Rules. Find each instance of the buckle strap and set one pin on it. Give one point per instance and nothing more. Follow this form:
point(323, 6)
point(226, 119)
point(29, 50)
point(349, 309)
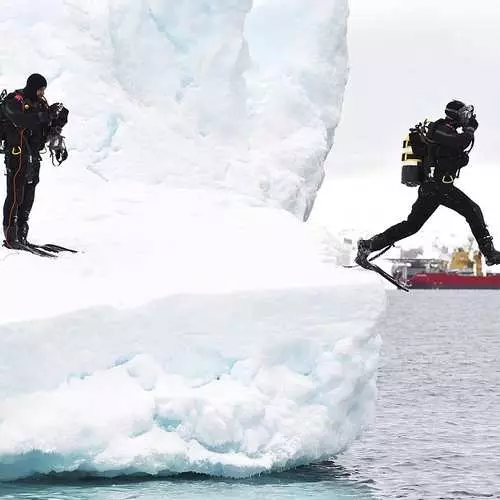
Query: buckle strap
point(448, 179)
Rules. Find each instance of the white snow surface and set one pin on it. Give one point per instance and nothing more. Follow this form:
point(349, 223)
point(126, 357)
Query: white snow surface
point(201, 327)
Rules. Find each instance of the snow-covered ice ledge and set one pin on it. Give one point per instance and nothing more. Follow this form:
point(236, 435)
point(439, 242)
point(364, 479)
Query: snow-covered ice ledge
point(221, 344)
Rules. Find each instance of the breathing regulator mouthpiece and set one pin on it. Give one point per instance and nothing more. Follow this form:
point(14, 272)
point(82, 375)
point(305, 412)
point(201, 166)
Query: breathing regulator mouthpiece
point(465, 114)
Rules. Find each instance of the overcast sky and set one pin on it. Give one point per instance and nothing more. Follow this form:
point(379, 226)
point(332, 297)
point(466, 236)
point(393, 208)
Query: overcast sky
point(407, 60)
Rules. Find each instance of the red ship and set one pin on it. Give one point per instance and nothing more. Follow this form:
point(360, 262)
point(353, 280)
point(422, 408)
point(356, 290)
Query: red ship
point(459, 272)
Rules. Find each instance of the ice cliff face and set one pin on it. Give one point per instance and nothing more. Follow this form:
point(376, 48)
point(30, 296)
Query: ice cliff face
point(295, 89)
point(191, 93)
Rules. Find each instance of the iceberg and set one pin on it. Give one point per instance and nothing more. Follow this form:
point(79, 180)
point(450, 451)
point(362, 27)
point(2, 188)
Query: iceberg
point(200, 327)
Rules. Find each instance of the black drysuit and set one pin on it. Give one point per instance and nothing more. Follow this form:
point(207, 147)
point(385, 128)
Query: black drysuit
point(26, 130)
point(449, 157)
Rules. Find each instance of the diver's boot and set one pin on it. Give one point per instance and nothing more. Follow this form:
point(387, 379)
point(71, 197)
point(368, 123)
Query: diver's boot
point(11, 238)
point(491, 255)
point(364, 250)
point(22, 233)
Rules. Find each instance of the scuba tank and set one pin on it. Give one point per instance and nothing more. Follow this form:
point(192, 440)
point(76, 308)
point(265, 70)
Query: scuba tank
point(415, 156)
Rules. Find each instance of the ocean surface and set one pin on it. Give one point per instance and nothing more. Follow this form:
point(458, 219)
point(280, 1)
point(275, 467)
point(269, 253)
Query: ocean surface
point(436, 434)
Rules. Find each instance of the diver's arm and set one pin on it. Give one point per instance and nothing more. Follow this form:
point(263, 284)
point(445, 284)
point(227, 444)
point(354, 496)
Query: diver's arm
point(447, 136)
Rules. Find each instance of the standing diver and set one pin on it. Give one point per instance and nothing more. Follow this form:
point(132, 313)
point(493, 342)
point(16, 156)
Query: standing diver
point(446, 153)
point(29, 124)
